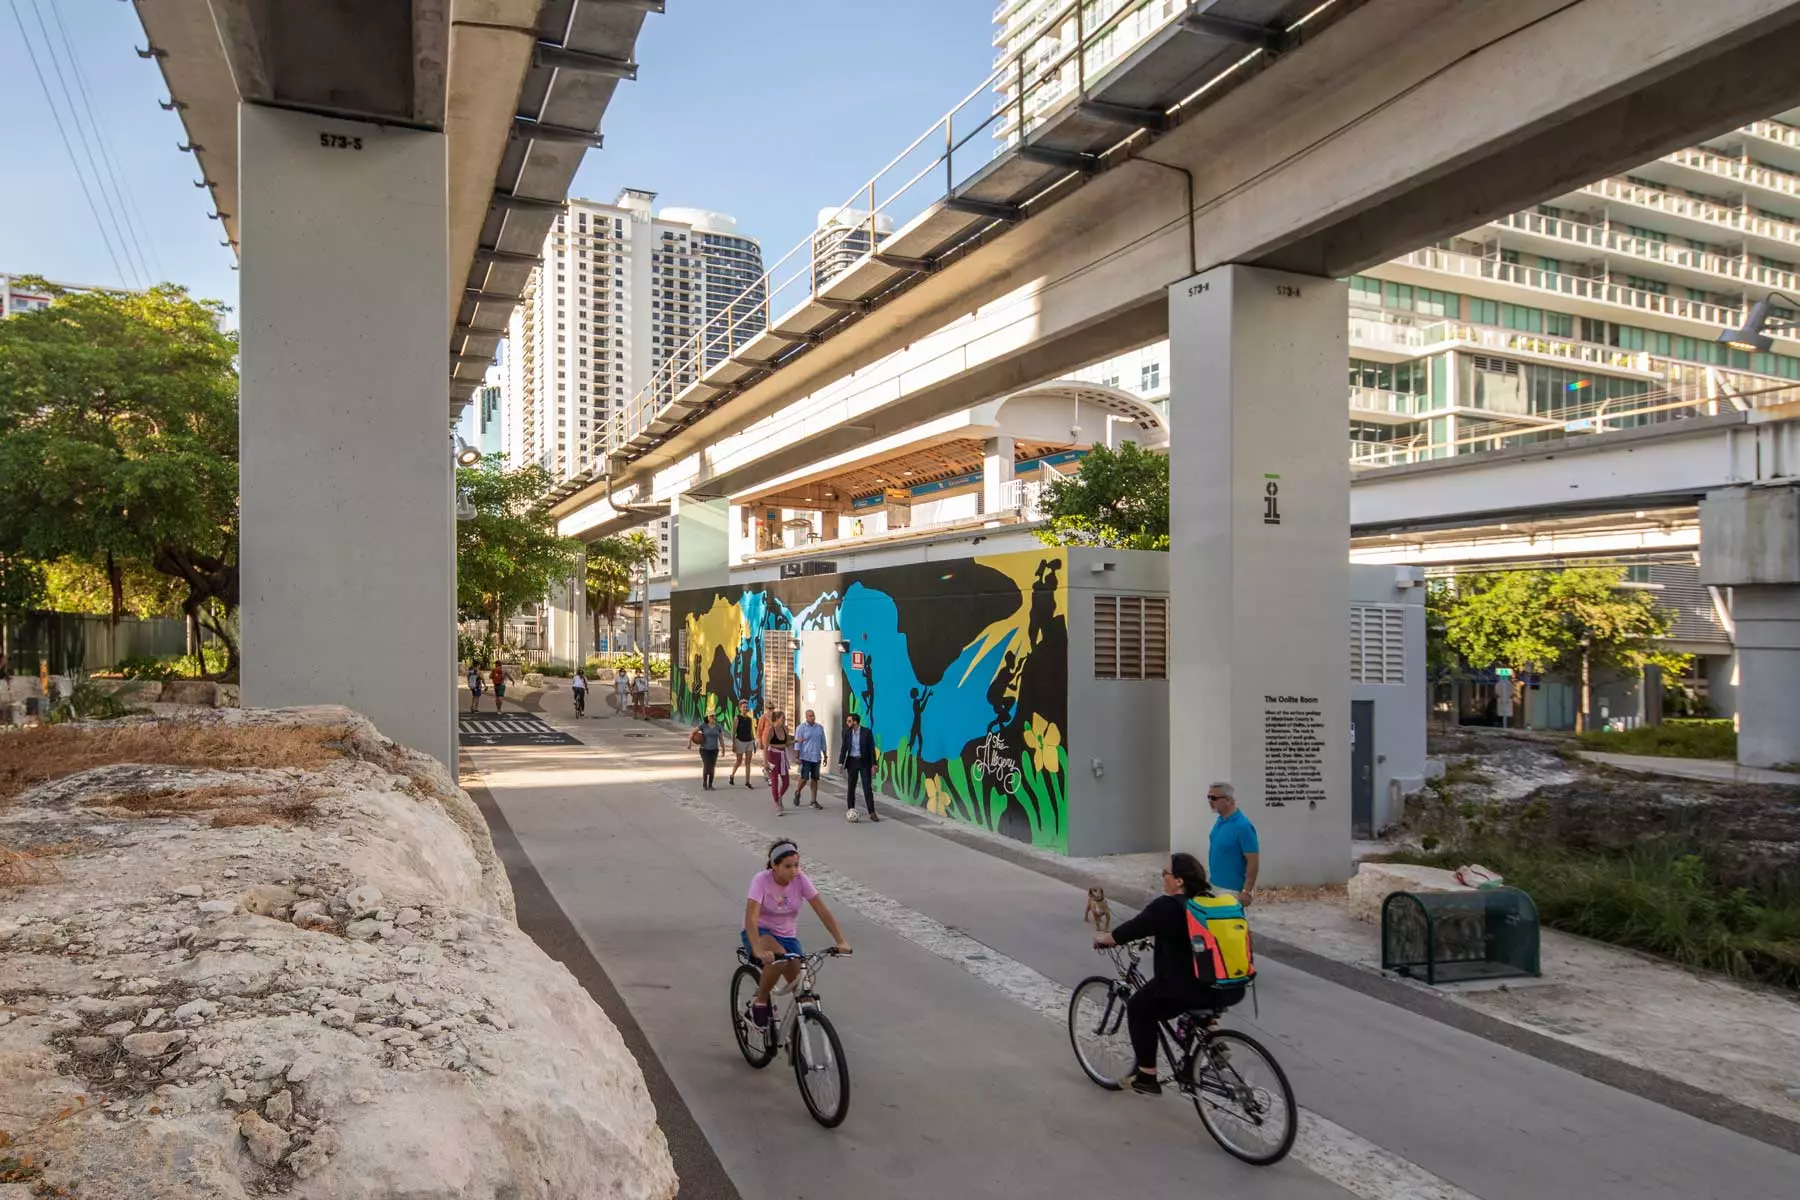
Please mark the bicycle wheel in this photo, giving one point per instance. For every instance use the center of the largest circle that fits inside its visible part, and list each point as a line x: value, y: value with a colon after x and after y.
x: 758, y: 1045
x: 820, y: 1068
x: 1243, y: 1098
x: 1098, y: 1034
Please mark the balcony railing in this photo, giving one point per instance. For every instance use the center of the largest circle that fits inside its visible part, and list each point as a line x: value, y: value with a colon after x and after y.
x: 1752, y: 174
x: 1436, y: 336
x: 1380, y: 402
x: 1775, y: 131
x: 1723, y: 216
x: 1560, y: 283
x: 1606, y: 239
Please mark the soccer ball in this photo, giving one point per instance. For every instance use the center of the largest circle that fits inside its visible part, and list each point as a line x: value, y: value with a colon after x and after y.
x: 852, y: 816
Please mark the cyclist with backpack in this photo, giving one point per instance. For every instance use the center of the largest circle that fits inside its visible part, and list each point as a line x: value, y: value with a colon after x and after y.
x: 1202, y: 958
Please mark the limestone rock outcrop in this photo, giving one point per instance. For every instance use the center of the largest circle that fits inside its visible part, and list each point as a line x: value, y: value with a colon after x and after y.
x: 219, y: 982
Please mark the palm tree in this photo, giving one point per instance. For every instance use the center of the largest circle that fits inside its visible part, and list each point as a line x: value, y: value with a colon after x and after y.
x: 612, y: 564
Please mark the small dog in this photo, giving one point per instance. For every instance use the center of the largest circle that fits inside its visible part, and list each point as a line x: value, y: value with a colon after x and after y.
x: 1099, y: 912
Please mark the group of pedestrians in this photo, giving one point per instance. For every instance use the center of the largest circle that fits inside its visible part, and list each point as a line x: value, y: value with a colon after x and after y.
x: 782, y: 747
x: 632, y: 689
x: 478, y: 684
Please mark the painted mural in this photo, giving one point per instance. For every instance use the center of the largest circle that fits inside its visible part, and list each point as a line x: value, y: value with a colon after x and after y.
x: 959, y: 668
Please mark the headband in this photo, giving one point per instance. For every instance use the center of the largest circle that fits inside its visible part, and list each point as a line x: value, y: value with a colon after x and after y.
x: 781, y: 851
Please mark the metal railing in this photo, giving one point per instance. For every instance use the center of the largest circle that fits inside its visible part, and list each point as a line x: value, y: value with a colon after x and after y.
x: 1775, y: 131
x: 1753, y: 174
x: 1033, y: 82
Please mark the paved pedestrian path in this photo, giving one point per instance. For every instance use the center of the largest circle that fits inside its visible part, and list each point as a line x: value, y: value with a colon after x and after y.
x: 962, y: 1078
x: 509, y: 729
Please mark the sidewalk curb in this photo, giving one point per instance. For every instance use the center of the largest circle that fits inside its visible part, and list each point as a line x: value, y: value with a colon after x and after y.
x: 697, y: 1168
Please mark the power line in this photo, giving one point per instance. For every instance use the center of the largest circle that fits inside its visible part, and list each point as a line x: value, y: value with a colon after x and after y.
x: 63, y: 134
x: 121, y: 181
x: 87, y: 148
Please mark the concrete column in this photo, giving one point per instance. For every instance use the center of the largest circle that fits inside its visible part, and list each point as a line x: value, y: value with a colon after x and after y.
x: 996, y: 472
x: 348, y: 563
x: 567, y: 634
x: 1258, y: 570
x: 1750, y: 541
x: 700, y: 542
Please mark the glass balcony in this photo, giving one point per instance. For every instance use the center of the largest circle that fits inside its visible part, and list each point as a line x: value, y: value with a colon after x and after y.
x: 1737, y: 170
x: 1722, y: 216
x: 1606, y: 239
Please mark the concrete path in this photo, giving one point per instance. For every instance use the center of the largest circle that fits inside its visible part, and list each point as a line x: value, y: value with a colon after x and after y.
x: 1712, y: 770
x: 962, y: 1078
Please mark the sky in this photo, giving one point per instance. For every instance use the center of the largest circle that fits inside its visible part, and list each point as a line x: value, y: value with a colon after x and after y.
x: 765, y: 111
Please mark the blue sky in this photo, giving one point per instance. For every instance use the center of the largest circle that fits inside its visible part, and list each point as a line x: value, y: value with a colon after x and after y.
x: 766, y: 117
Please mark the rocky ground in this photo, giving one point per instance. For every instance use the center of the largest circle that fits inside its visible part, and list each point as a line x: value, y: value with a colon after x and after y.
x: 1749, y: 833
x: 274, y: 954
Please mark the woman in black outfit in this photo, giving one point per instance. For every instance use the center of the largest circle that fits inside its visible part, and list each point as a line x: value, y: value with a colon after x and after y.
x: 1176, y: 987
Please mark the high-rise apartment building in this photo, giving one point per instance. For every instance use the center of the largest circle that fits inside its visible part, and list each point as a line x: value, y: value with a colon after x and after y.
x: 1046, y: 32
x: 842, y: 236
x: 622, y: 293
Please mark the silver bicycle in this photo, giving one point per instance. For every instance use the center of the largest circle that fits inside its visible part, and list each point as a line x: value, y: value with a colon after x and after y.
x: 798, y: 1022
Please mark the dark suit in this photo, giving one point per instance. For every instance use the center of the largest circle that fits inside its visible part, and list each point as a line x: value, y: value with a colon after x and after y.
x: 857, y: 757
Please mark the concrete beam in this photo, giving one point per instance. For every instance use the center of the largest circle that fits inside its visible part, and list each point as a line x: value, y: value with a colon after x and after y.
x: 1321, y: 149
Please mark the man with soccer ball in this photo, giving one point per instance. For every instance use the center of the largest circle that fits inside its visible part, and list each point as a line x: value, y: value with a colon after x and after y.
x: 857, y: 757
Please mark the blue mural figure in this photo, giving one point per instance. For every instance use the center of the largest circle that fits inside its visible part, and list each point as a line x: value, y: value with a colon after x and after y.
x: 869, y: 693
x: 998, y: 694
x: 916, y: 739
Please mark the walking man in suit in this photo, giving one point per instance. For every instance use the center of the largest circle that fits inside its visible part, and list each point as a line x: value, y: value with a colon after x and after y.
x: 858, y: 760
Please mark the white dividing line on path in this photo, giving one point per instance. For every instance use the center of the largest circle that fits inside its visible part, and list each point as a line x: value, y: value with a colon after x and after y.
x: 1324, y: 1147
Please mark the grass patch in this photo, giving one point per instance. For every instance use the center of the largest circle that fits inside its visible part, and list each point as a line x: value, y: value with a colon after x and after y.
x: 33, y: 864
x: 1656, y: 900
x: 231, y: 805
x: 1671, y: 739
x: 31, y: 757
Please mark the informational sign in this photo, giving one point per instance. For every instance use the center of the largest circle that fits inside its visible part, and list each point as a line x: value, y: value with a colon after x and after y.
x: 1293, y: 751
x: 858, y: 660
x: 1503, y: 672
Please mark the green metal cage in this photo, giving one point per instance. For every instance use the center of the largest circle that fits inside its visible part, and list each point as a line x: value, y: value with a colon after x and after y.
x: 1454, y: 937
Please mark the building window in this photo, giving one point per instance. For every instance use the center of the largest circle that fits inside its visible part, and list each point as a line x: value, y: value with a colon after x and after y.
x: 1378, y: 643
x: 1131, y: 637
x: 1150, y: 378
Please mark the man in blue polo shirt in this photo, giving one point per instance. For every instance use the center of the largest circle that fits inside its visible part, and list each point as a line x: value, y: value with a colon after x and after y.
x: 1234, y: 854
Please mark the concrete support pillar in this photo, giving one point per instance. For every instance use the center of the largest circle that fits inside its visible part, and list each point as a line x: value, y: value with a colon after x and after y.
x: 996, y: 472
x: 1750, y: 541
x: 567, y: 635
x: 1258, y: 570
x: 348, y: 563
x: 699, y: 542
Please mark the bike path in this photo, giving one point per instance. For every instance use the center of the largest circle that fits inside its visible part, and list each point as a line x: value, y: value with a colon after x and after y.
x: 1494, y: 1122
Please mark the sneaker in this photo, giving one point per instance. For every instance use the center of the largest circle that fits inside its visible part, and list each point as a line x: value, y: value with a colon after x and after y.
x: 874, y: 816
x: 760, y: 1015
x: 1145, y: 1085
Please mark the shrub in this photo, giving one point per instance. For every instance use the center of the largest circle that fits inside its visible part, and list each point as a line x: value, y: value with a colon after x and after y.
x: 659, y: 667
x: 1671, y: 739
x: 86, y: 702
x: 144, y: 667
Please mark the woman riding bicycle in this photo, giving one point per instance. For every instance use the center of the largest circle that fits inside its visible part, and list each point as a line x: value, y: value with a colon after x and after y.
x: 772, y: 919
x: 1176, y: 987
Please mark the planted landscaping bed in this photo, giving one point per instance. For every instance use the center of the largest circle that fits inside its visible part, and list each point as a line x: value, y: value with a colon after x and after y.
x: 1671, y: 739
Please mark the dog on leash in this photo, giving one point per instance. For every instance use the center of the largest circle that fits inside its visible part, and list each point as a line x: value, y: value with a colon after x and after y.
x: 1099, y: 912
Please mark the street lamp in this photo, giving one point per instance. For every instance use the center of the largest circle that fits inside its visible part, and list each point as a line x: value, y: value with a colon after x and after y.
x: 1751, y: 336
x: 466, y: 455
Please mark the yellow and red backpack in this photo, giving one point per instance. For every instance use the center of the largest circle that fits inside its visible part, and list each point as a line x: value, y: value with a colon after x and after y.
x: 1221, y: 937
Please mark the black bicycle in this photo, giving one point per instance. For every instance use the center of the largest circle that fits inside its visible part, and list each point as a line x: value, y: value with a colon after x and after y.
x: 1239, y: 1090
x: 580, y: 701
x: 813, y: 1046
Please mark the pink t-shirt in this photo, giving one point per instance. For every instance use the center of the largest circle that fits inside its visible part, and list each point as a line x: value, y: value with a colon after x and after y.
x: 780, y: 912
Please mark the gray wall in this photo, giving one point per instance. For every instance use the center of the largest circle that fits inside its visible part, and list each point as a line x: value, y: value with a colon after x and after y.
x: 1124, y: 723
x: 1401, y: 710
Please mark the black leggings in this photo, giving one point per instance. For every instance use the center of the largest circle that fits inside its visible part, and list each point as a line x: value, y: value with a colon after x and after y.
x: 709, y: 766
x: 1158, y: 1001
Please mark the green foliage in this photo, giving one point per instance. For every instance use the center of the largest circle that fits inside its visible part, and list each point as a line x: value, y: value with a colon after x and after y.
x: 74, y: 586
x: 1117, y: 498
x: 86, y: 702
x: 119, y: 441
x: 508, y: 554
x: 612, y: 564
x: 1672, y: 739
x: 22, y: 587
x: 1538, y: 620
x: 159, y: 669
x: 633, y: 661
x: 473, y: 650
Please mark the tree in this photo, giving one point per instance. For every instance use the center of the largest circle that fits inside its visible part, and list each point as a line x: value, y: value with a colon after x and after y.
x: 1117, y: 498
x: 73, y: 586
x: 508, y: 554
x: 21, y: 590
x: 1576, y: 620
x: 612, y: 563
x: 119, y: 443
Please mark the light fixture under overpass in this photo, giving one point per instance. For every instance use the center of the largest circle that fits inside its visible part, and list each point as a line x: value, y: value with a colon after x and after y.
x: 466, y: 455
x: 1752, y: 335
